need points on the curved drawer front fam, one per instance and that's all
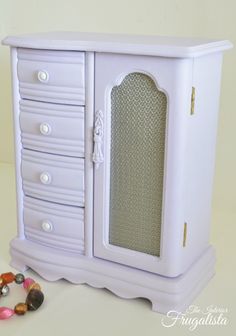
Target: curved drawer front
(53, 178)
(52, 128)
(54, 225)
(51, 76)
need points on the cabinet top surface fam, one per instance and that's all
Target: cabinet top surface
(130, 44)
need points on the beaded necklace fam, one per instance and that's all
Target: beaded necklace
(33, 300)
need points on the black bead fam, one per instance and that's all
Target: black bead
(19, 278)
(34, 299)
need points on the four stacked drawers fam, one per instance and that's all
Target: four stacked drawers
(52, 91)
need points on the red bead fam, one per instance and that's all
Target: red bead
(8, 277)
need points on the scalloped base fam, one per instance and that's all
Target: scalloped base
(165, 293)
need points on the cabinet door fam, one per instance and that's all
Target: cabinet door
(138, 145)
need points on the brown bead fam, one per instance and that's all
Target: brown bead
(8, 277)
(34, 299)
(21, 308)
(34, 285)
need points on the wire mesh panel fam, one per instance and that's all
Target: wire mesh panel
(138, 122)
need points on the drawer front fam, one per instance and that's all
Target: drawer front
(51, 76)
(52, 128)
(54, 225)
(53, 178)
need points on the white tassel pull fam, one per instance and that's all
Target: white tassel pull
(98, 138)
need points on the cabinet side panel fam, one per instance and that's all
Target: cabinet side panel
(17, 142)
(200, 154)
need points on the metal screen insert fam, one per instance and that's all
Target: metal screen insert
(138, 122)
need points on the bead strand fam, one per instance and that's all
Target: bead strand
(33, 300)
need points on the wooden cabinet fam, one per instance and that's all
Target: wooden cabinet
(115, 141)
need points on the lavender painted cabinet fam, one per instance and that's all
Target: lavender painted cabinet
(115, 142)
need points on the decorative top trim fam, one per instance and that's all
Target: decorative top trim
(131, 44)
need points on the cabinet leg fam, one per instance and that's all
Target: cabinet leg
(160, 307)
(18, 265)
(155, 307)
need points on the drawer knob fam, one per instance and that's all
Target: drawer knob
(45, 178)
(43, 76)
(47, 226)
(45, 129)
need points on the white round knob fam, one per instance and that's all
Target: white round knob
(45, 178)
(45, 129)
(47, 226)
(43, 76)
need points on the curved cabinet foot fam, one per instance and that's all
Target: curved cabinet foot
(165, 293)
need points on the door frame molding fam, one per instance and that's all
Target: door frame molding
(166, 73)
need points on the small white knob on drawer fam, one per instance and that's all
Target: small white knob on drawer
(45, 178)
(43, 76)
(47, 226)
(45, 129)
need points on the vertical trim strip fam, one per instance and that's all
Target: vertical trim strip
(17, 144)
(89, 112)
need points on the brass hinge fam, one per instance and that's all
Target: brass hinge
(185, 235)
(192, 101)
